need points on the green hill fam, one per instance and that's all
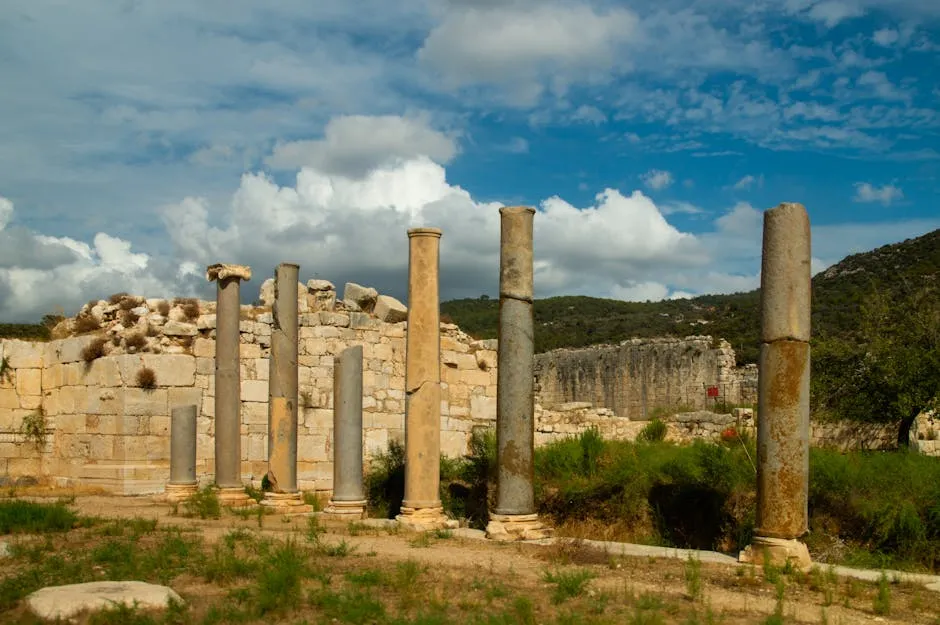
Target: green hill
(837, 295)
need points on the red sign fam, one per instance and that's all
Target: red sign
(712, 391)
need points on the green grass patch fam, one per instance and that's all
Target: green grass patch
(28, 517)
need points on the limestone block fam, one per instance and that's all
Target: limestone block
(103, 372)
(9, 398)
(450, 344)
(204, 348)
(361, 320)
(180, 328)
(364, 297)
(23, 354)
(483, 407)
(336, 319)
(69, 349)
(250, 352)
(390, 310)
(376, 442)
(454, 444)
(254, 390)
(30, 402)
(315, 285)
(485, 359)
(255, 413)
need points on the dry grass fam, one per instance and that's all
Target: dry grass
(135, 341)
(116, 298)
(129, 318)
(85, 323)
(163, 308)
(189, 306)
(147, 379)
(94, 350)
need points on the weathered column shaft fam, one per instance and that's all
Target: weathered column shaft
(423, 372)
(515, 434)
(347, 426)
(283, 382)
(783, 375)
(183, 445)
(227, 386)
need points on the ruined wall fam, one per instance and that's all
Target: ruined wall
(105, 430)
(641, 376)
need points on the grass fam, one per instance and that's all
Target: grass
(94, 350)
(203, 504)
(34, 428)
(146, 379)
(568, 584)
(18, 516)
(135, 341)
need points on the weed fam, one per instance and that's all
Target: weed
(163, 308)
(34, 428)
(255, 493)
(693, 578)
(279, 578)
(421, 540)
(337, 550)
(85, 323)
(94, 350)
(313, 500)
(568, 584)
(355, 528)
(189, 306)
(129, 318)
(314, 530)
(29, 517)
(204, 504)
(147, 379)
(653, 431)
(135, 341)
(6, 371)
(353, 606)
(881, 603)
(368, 577)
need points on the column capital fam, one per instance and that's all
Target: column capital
(512, 210)
(424, 232)
(221, 271)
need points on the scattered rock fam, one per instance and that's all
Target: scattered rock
(320, 285)
(179, 328)
(266, 294)
(66, 602)
(390, 310)
(363, 296)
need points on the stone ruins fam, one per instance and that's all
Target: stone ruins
(151, 396)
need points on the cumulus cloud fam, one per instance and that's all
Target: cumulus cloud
(355, 144)
(657, 179)
(525, 47)
(866, 192)
(46, 274)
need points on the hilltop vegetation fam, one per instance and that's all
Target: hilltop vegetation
(838, 294)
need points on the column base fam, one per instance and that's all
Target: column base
(286, 503)
(234, 497)
(510, 527)
(779, 551)
(177, 493)
(344, 510)
(425, 519)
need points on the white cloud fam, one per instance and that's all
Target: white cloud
(6, 212)
(589, 114)
(748, 181)
(866, 192)
(885, 37)
(516, 145)
(527, 47)
(353, 145)
(657, 179)
(684, 208)
(879, 84)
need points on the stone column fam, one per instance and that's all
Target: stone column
(282, 493)
(514, 517)
(182, 482)
(348, 500)
(421, 508)
(783, 390)
(228, 448)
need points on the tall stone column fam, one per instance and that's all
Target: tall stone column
(421, 508)
(182, 482)
(783, 390)
(348, 500)
(228, 452)
(282, 493)
(515, 517)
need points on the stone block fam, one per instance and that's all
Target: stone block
(170, 369)
(9, 398)
(101, 401)
(364, 297)
(23, 354)
(482, 407)
(339, 320)
(138, 401)
(101, 372)
(362, 321)
(204, 348)
(30, 402)
(390, 310)
(205, 366)
(250, 351)
(255, 413)
(254, 390)
(180, 328)
(451, 344)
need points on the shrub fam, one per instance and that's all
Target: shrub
(129, 302)
(653, 431)
(34, 428)
(385, 481)
(163, 308)
(129, 318)
(190, 307)
(94, 350)
(204, 504)
(84, 323)
(28, 517)
(147, 378)
(117, 297)
(135, 341)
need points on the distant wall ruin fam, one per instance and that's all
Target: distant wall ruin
(640, 377)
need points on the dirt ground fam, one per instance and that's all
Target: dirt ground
(467, 575)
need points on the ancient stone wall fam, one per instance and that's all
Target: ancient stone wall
(642, 377)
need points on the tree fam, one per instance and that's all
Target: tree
(889, 372)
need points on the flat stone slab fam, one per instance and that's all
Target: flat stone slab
(66, 602)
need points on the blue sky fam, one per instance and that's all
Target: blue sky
(140, 142)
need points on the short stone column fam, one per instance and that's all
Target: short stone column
(421, 508)
(228, 448)
(515, 517)
(182, 482)
(282, 494)
(348, 500)
(783, 391)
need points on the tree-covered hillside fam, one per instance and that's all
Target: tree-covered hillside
(838, 294)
